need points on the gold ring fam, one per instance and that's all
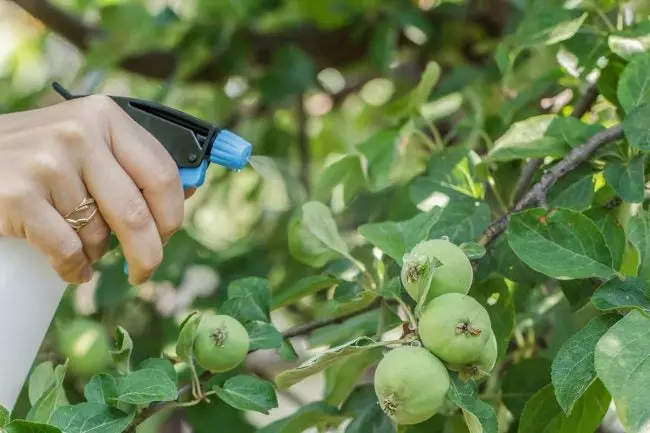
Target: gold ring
(79, 223)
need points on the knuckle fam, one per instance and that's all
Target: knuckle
(151, 261)
(71, 133)
(137, 215)
(99, 105)
(96, 240)
(70, 255)
(15, 197)
(167, 177)
(48, 165)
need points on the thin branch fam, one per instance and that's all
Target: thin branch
(308, 328)
(527, 173)
(325, 47)
(539, 190)
(583, 105)
(586, 102)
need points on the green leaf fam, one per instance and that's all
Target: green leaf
(638, 232)
(263, 336)
(539, 137)
(618, 294)
(578, 292)
(379, 151)
(161, 364)
(363, 406)
(244, 309)
(288, 378)
(562, 244)
(473, 250)
(623, 364)
(635, 126)
(629, 42)
(91, 418)
(392, 289)
(287, 352)
(213, 415)
(612, 231)
(462, 221)
(410, 103)
(627, 180)
(122, 355)
(186, 336)
(22, 426)
(304, 287)
(42, 410)
(543, 414)
(342, 376)
(495, 297)
(528, 139)
(102, 389)
(397, 238)
(450, 172)
(574, 191)
(479, 416)
(382, 46)
(347, 172)
(311, 415)
(5, 416)
(249, 299)
(314, 238)
(146, 386)
(547, 25)
(255, 288)
(634, 85)
(573, 368)
(523, 380)
(40, 380)
(245, 392)
(607, 83)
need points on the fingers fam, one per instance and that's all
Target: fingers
(67, 192)
(152, 169)
(126, 212)
(46, 229)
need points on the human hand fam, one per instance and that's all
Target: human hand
(52, 159)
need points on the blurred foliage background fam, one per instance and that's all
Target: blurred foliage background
(306, 82)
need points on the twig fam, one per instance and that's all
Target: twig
(303, 141)
(308, 328)
(539, 190)
(530, 168)
(527, 173)
(586, 102)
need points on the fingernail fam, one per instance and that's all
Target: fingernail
(87, 274)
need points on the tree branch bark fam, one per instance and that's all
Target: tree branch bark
(583, 105)
(539, 190)
(327, 48)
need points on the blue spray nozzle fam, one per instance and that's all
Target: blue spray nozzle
(230, 150)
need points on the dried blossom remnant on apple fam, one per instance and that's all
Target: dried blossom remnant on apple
(221, 343)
